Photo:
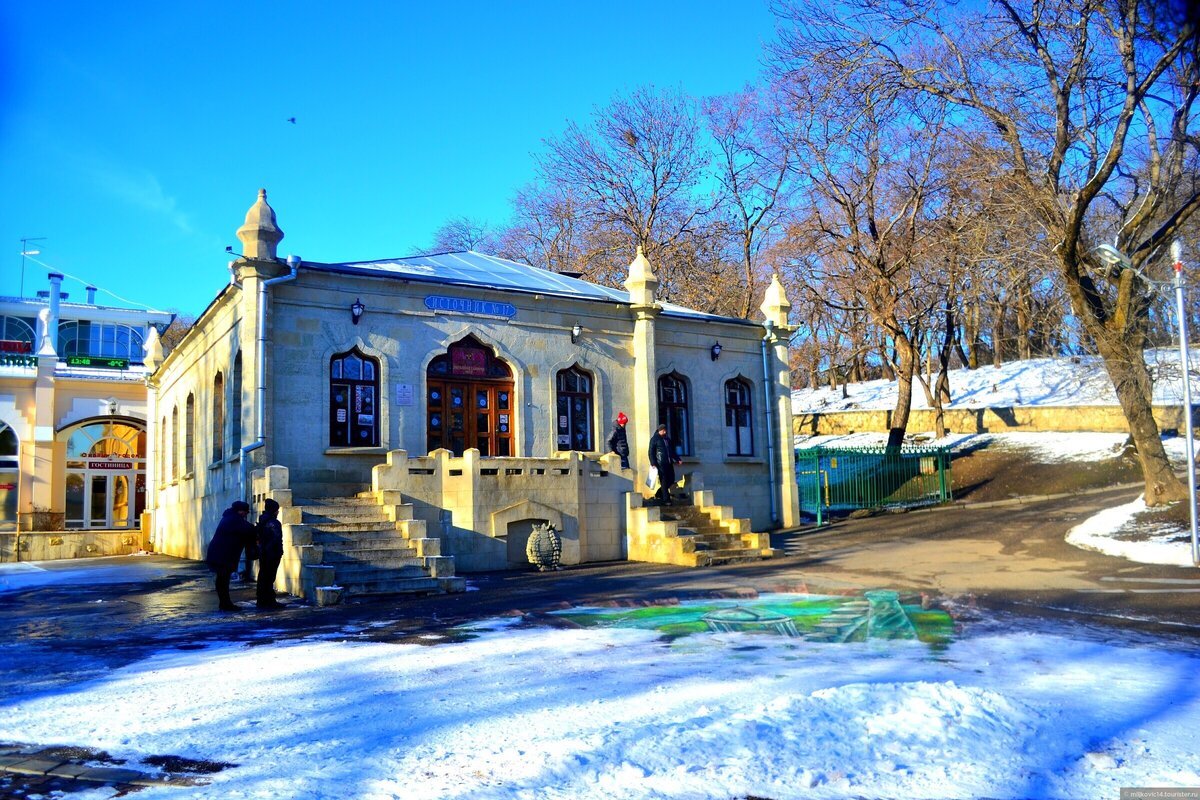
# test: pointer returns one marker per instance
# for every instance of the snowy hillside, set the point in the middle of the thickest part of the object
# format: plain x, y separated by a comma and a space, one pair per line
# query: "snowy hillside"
1079, 381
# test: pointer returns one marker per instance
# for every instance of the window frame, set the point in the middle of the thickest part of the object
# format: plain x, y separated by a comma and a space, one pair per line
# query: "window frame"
734, 444
675, 411
566, 423
365, 394
218, 418
189, 435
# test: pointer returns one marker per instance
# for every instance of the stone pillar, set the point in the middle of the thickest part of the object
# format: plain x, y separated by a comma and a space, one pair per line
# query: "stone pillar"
778, 333
151, 358
45, 449
642, 285
259, 235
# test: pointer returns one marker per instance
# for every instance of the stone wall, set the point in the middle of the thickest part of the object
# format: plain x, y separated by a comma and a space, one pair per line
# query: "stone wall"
1000, 419
53, 545
484, 509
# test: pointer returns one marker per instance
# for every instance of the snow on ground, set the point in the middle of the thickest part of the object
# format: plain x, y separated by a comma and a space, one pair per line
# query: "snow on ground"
1045, 447
77, 572
613, 712
1116, 532
1078, 381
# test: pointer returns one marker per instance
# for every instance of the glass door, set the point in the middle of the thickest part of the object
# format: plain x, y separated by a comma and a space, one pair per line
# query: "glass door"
106, 476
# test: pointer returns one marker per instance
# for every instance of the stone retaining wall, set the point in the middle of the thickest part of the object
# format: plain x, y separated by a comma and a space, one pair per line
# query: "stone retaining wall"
52, 545
999, 419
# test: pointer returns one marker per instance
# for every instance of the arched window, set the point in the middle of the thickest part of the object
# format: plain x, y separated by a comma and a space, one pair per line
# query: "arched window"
174, 442
574, 418
673, 410
189, 437
739, 438
469, 401
235, 409
161, 456
10, 472
218, 418
104, 339
19, 337
105, 475
353, 403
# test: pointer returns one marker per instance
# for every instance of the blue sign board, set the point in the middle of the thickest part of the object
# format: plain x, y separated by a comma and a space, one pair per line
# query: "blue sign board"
469, 305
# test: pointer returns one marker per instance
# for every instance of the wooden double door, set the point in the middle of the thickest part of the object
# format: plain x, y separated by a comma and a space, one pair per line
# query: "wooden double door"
470, 413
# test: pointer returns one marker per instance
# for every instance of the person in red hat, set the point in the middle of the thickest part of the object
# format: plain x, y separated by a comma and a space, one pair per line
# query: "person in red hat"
617, 441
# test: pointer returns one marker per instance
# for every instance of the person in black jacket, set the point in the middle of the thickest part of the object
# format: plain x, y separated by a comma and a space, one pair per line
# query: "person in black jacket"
663, 458
618, 442
233, 533
270, 553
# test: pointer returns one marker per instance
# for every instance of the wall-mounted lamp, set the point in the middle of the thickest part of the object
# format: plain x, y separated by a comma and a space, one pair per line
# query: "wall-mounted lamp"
356, 311
576, 331
715, 352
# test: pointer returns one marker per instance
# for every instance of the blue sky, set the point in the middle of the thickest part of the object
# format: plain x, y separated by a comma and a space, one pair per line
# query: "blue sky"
134, 136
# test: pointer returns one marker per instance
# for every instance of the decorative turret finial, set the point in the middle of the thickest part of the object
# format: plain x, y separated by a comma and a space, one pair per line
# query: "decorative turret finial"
641, 282
259, 234
152, 349
775, 306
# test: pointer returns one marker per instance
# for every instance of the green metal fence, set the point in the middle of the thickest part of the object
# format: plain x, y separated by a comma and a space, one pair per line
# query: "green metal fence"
848, 478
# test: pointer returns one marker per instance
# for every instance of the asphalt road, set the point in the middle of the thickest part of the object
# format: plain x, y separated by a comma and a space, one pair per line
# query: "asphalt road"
1009, 558
986, 565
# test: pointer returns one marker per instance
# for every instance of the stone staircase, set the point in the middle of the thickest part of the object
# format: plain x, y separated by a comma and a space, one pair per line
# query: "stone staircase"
698, 533
368, 548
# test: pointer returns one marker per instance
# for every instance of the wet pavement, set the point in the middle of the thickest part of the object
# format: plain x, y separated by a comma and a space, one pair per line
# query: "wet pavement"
70, 621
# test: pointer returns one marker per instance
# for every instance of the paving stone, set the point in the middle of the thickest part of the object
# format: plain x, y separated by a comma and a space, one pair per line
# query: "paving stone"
71, 770
7, 759
35, 766
109, 775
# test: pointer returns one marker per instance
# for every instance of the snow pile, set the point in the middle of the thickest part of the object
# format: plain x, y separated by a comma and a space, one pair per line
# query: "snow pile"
620, 713
1076, 381
1114, 532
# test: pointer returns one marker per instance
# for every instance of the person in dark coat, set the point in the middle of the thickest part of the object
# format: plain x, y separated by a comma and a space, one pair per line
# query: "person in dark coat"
270, 553
663, 458
618, 442
233, 533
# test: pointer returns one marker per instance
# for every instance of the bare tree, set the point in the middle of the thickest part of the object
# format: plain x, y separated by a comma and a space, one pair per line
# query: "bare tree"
870, 171
1092, 104
754, 168
553, 229
636, 167
173, 335
463, 233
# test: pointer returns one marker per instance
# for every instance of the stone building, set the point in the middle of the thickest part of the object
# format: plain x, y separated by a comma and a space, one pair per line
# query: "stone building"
465, 394
72, 421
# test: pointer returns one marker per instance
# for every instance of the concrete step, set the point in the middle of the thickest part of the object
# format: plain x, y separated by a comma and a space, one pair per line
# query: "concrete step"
373, 560
380, 534
385, 585
352, 574
726, 557
328, 514
713, 541
355, 526
369, 546
335, 491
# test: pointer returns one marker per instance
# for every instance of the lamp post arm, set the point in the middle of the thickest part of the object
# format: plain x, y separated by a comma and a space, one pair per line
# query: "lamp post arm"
1185, 363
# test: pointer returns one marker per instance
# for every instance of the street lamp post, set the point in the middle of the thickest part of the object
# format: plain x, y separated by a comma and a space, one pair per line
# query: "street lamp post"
1114, 257
25, 253
1181, 310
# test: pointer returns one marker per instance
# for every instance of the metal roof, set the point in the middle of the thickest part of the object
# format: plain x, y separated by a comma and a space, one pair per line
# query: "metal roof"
482, 271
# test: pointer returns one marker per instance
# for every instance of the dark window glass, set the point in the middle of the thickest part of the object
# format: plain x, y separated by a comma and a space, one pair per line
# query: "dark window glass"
673, 410
353, 391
